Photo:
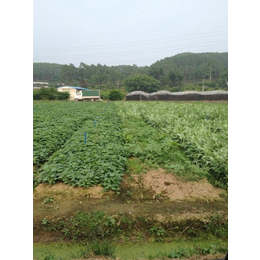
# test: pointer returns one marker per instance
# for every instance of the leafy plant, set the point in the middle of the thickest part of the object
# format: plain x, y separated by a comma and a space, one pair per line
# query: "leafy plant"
102, 248
101, 160
48, 200
45, 221
157, 231
185, 137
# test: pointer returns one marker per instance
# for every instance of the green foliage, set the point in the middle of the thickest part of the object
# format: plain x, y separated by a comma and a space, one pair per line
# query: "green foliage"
175, 78
45, 221
90, 226
113, 94
189, 139
69, 74
192, 67
149, 147
184, 137
157, 231
101, 160
47, 72
142, 82
47, 255
102, 248
190, 87
50, 94
218, 226
104, 94
96, 248
48, 200
135, 166
181, 253
116, 95
99, 226
54, 123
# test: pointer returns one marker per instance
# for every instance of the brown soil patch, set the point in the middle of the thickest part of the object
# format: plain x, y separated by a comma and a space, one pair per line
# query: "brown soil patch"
155, 194
167, 185
60, 190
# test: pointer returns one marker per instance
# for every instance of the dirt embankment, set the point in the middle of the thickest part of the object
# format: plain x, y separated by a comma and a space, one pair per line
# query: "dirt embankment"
156, 192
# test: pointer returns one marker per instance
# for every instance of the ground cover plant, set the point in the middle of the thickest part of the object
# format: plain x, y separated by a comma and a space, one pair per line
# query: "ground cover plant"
153, 147
152, 143
187, 138
99, 226
54, 123
199, 129
97, 158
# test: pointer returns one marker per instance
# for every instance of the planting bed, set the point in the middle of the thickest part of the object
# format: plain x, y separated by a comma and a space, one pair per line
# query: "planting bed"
143, 173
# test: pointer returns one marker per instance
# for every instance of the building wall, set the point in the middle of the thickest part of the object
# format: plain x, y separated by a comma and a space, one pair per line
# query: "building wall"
71, 91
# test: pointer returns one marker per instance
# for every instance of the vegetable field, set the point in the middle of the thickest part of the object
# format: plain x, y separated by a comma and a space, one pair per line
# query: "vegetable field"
89, 143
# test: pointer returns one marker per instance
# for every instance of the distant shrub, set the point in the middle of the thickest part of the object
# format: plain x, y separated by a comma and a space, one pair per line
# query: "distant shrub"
104, 94
50, 94
116, 95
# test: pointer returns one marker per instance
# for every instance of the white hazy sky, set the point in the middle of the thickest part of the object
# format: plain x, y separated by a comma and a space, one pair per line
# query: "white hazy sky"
125, 32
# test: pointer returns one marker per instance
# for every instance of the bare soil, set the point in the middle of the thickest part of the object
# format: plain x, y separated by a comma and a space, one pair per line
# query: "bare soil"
155, 193
178, 190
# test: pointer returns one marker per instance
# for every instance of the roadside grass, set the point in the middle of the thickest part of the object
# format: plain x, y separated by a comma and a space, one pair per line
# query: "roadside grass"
107, 250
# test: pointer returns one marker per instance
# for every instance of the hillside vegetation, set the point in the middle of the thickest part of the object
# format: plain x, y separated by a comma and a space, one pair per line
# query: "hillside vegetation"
186, 71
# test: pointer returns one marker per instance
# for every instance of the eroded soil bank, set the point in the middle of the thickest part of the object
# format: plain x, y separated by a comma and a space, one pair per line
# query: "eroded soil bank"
156, 206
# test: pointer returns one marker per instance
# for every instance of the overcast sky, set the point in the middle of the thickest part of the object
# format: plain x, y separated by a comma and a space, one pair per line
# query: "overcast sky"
126, 32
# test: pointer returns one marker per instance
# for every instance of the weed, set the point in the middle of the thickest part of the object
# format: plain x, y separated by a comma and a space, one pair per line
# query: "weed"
45, 221
102, 248
188, 252
218, 226
47, 255
48, 200
157, 231
90, 226
134, 166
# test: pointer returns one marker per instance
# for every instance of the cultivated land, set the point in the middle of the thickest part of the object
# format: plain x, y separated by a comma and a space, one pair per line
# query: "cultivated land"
147, 177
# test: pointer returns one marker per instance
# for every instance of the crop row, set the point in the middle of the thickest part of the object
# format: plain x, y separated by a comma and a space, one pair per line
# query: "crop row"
54, 123
98, 159
154, 148
201, 129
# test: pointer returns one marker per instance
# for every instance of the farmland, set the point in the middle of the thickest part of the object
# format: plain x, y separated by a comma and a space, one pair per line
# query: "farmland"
164, 162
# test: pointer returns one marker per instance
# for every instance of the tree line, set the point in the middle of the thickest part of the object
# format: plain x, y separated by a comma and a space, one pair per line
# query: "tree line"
186, 71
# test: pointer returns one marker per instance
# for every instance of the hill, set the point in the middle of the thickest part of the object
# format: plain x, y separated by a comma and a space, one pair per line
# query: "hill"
194, 66
173, 73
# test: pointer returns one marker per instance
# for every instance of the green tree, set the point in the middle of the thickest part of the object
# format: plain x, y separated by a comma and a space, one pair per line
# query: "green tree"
156, 72
116, 95
175, 78
142, 82
50, 94
223, 79
69, 74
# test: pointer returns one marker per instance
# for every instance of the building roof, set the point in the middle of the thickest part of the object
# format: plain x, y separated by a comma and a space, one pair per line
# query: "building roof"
75, 87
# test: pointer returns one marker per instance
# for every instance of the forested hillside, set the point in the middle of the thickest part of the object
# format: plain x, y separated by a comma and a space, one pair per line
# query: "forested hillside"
47, 72
193, 66
180, 72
